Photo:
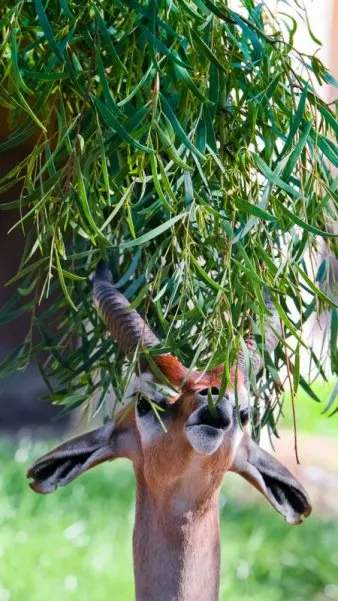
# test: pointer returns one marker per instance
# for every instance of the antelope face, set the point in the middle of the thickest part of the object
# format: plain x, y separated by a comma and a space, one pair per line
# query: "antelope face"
203, 428
177, 439
174, 435
185, 447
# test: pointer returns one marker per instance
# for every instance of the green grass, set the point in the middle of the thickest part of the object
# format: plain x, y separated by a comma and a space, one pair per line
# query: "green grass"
310, 419
76, 544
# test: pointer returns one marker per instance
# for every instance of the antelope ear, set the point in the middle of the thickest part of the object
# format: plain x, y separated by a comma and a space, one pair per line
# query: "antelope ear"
71, 459
273, 480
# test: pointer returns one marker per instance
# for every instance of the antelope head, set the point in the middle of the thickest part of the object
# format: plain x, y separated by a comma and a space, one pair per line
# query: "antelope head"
179, 459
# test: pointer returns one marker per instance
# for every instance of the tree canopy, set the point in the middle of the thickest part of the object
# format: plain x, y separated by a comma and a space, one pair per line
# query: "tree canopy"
186, 142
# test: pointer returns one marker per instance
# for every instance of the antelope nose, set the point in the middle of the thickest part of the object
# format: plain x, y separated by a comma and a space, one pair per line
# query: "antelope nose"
218, 417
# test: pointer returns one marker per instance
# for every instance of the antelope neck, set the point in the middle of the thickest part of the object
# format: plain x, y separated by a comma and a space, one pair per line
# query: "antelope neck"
176, 549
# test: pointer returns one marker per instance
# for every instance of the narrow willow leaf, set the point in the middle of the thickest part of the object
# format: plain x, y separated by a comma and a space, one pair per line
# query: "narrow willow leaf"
73, 276
303, 224
287, 321
117, 207
170, 149
329, 117
247, 207
205, 276
110, 102
138, 87
45, 24
17, 138
44, 76
162, 48
332, 398
178, 129
206, 50
190, 10
296, 121
16, 71
157, 231
153, 164
82, 194
334, 335
296, 369
165, 180
273, 178
106, 36
319, 293
182, 73
131, 270
65, 7
289, 167
113, 122
327, 147
62, 282
25, 290
307, 388
30, 112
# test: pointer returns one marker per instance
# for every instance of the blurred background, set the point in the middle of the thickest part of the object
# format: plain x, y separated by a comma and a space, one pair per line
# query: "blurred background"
77, 544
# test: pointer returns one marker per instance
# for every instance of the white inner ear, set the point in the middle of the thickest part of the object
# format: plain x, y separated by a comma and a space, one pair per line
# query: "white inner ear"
243, 397
143, 384
284, 507
147, 385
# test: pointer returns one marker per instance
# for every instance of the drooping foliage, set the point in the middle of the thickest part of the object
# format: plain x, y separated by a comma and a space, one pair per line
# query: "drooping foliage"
186, 142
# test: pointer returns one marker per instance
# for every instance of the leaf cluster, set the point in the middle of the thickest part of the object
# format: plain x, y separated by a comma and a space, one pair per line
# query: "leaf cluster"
184, 141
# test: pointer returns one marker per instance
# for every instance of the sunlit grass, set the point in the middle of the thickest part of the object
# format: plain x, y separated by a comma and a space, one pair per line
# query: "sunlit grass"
77, 544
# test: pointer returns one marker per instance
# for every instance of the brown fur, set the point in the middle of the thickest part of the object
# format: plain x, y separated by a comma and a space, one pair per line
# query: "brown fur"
176, 535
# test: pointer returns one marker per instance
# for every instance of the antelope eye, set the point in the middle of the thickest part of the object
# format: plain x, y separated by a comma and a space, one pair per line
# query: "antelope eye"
244, 416
143, 406
214, 391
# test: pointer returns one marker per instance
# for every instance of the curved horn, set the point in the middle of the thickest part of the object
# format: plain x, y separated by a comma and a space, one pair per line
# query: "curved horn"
272, 332
240, 370
125, 324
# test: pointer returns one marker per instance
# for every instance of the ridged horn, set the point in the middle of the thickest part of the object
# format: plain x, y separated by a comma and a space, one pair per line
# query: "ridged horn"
125, 324
272, 331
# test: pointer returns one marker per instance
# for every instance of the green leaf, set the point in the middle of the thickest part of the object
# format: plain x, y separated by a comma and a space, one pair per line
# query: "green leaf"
319, 293
206, 50
30, 112
183, 74
303, 224
178, 129
153, 163
45, 24
247, 207
296, 120
332, 398
107, 39
15, 67
157, 231
62, 282
289, 167
274, 179
162, 48
65, 7
82, 194
115, 125
45, 76
169, 148
205, 276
